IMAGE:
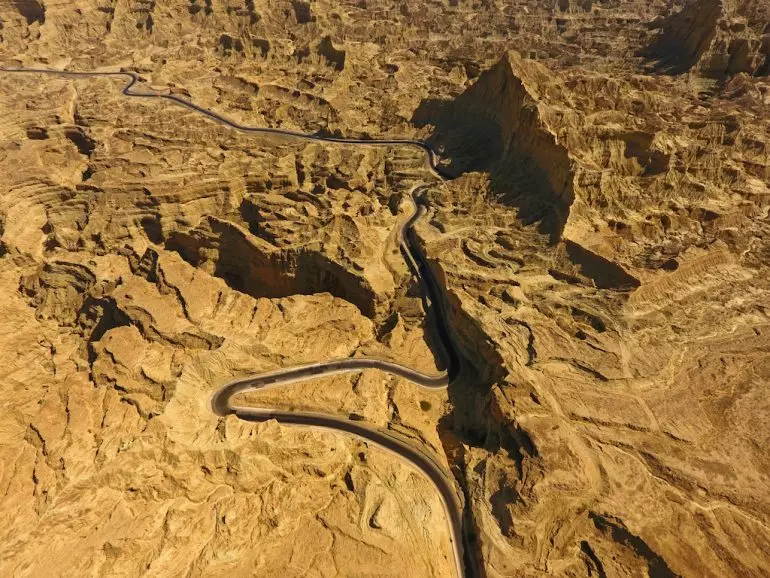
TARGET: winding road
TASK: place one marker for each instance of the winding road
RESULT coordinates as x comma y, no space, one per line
132,78
433,299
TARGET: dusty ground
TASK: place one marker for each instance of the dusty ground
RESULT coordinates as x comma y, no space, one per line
605,249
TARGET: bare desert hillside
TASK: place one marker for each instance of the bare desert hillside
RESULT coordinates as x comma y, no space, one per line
598,225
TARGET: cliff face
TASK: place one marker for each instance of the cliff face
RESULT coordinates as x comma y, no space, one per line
716,39
499,125
604,247
685,36
592,430
149,257
255,267
519,127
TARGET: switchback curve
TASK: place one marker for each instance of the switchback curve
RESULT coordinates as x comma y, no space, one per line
384,439
432,297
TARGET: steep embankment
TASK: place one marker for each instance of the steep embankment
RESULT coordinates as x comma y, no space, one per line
626,349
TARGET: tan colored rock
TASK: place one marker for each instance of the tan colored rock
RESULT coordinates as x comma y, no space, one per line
604,249
717,38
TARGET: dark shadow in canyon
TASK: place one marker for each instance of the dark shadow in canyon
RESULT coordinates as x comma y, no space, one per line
261,271
470,142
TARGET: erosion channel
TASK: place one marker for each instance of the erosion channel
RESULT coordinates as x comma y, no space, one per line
433,299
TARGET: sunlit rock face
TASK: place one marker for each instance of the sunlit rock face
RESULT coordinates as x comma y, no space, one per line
603,247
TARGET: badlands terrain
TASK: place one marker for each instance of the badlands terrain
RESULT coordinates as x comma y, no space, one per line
603,246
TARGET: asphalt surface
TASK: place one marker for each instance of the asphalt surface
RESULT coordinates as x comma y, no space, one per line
384,439
432,298
132,78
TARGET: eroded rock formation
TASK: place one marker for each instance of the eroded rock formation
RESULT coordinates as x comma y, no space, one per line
716,38
604,250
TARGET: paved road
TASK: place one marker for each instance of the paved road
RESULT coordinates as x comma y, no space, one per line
132,78
387,440
434,304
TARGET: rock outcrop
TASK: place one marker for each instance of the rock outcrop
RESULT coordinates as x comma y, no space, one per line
499,125
604,248
716,38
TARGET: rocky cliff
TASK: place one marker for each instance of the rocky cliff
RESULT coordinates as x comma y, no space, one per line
717,39
604,247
